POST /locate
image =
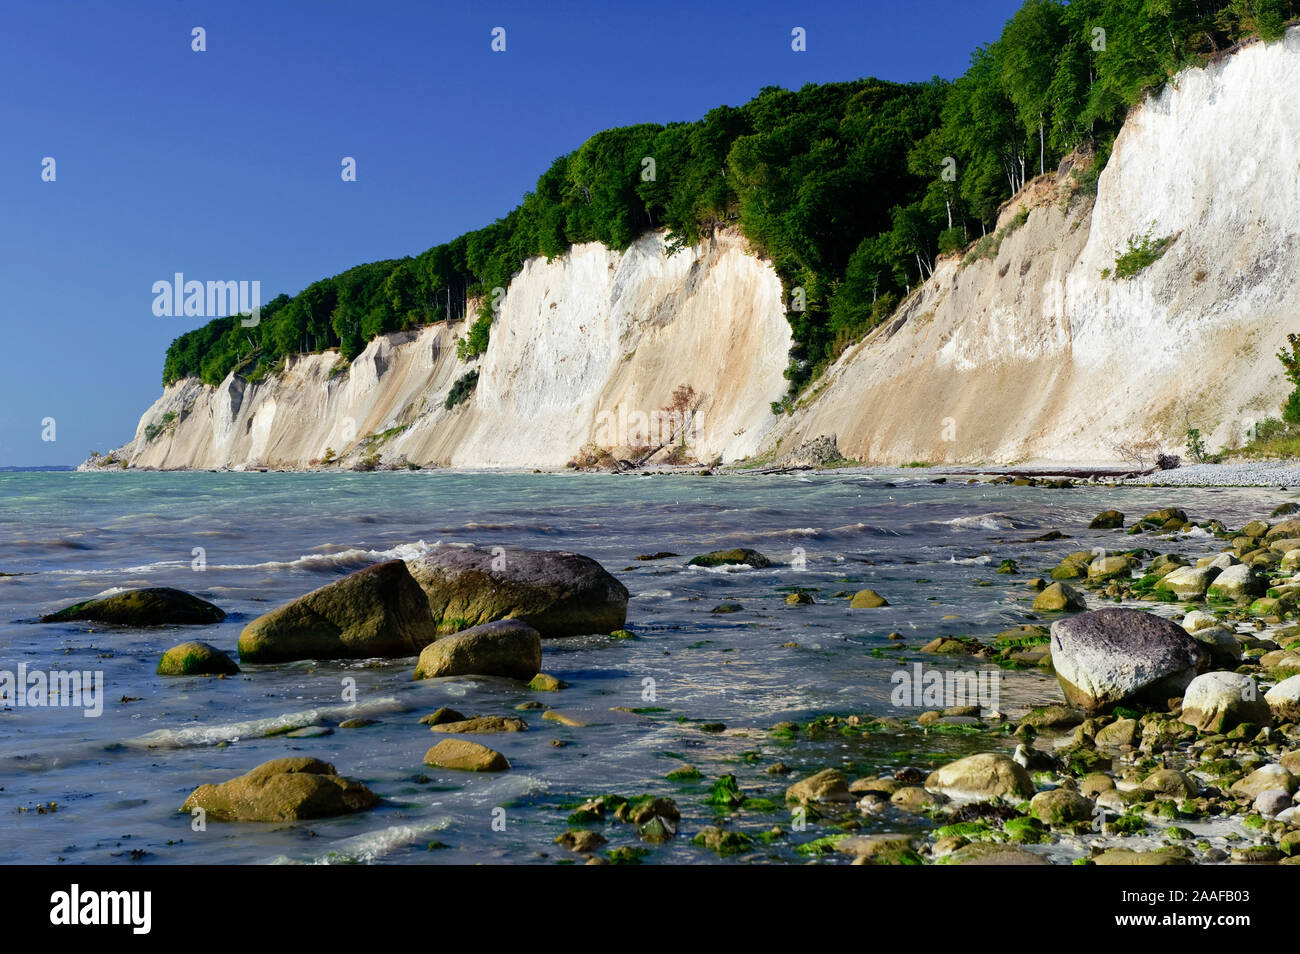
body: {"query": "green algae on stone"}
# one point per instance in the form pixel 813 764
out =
pixel 152 606
pixel 723 841
pixel 867 599
pixel 725 793
pixel 687 773
pixel 737 556
pixel 196 659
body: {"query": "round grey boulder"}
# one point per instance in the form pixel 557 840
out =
pixel 1111 656
pixel 555 592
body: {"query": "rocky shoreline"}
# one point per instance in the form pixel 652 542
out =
pixel 1177 740
pixel 1280 474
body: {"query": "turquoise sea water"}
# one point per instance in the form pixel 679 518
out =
pixel 117 780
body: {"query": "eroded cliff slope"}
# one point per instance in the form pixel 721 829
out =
pixel 1040 353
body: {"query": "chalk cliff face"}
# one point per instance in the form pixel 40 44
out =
pixel 587 348
pixel 1036 353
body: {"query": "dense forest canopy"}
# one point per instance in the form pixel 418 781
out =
pixel 850 189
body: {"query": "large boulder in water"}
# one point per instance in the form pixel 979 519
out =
pixel 282 790
pixel 504 648
pixel 556 593
pixel 154 606
pixel 1111 656
pixel 378 611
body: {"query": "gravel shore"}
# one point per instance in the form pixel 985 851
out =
pixel 1280 474
pixel 1277 474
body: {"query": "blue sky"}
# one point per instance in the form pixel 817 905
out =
pixel 225 164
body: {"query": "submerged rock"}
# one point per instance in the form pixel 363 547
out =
pixel 282 790
pixel 555 592
pixel 1110 656
pixel 1107 520
pixel 988 853
pixel 507 648
pixel 196 659
pixel 152 606
pixel 739 556
pixel 482 725
pixel 378 611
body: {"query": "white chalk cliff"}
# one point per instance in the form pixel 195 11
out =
pixel 580 347
pixel 1029 355
pixel 1033 355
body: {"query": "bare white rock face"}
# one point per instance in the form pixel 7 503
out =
pixel 1033 356
pixel 582 347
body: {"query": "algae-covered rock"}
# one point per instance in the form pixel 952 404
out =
pixel 1060 806
pixel 737 556
pixel 988 853
pixel 1118 734
pixel 1158 856
pixel 482 725
pixel 555 592
pixel 1165 517
pixel 1170 783
pixel 442 715
pixel 1110 568
pixel 1238 583
pixel 1107 520
pixel 196 659
pixel 867 599
pixel 153 606
pixel 1059 598
pixel 1219 701
pixel 378 611
pixel 506 648
pixel 282 790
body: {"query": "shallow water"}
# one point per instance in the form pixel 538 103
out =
pixel 931 550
